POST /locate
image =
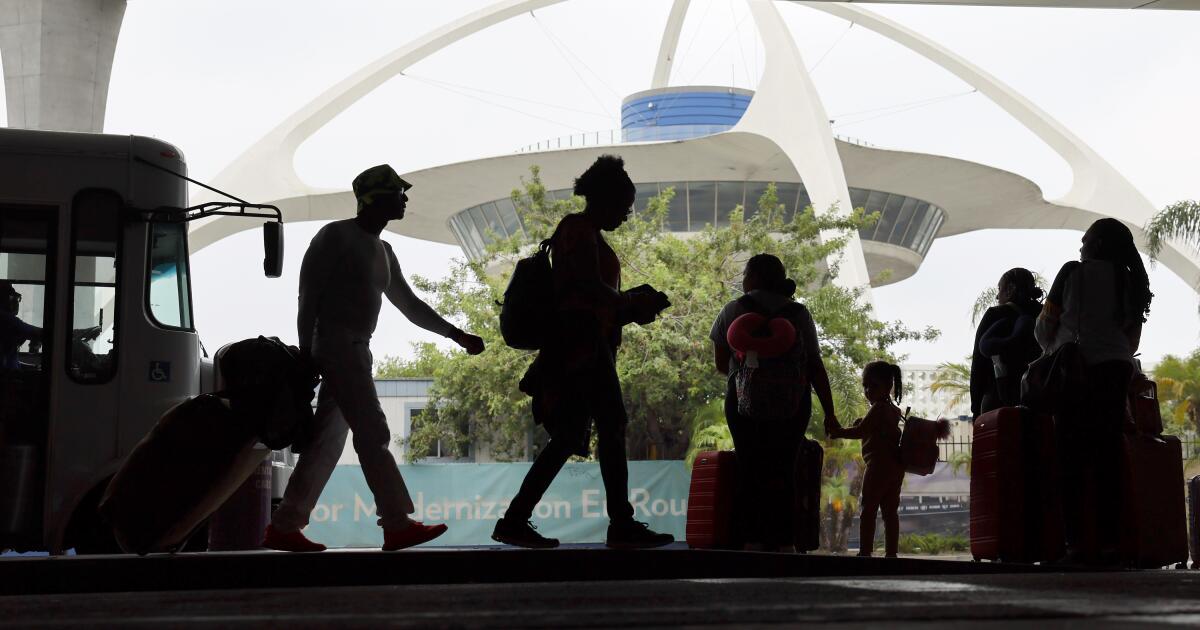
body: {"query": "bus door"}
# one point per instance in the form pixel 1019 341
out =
pixel 28 234
pixel 84 427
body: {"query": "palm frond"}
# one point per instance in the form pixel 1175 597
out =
pixel 1179 221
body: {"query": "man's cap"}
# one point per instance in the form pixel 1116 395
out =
pixel 377 180
pixel 6 288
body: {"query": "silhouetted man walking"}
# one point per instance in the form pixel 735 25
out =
pixel 346 272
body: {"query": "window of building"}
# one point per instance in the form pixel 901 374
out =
pixel 452 442
pixel 167 281
pixel 729 196
pixel 702 204
pixel 95 239
pixel 677 213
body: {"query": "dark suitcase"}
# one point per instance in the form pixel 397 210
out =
pixel 710 501
pixel 1143 405
pixel 807 513
pixel 1154 519
pixel 197 455
pixel 1193 499
pixel 1016 515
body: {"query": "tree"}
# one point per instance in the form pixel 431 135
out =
pixel 954 378
pixel 666 367
pixel 1179 390
pixel 1180 221
pixel 710 432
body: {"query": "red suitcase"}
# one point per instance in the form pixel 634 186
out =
pixel 1016 515
pixel 710 501
pixel 1154 518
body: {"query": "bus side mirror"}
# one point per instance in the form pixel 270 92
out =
pixel 273 249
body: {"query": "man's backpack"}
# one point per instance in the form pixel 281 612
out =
pixel 771 389
pixel 528 301
pixel 270 387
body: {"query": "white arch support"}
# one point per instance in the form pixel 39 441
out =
pixel 670 44
pixel 273 155
pixel 787 109
pixel 1096 187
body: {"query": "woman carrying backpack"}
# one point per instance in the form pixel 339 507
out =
pixel 574 379
pixel 1004 343
pixel 767 432
pixel 1099 303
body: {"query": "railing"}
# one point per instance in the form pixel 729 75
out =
pixel 588 139
pixel 947 450
pixel 608 137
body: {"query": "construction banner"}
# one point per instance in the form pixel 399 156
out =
pixel 469 498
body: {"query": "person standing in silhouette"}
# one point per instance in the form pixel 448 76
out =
pixel 879 431
pixel 769 453
pixel 1004 343
pixel 346 272
pixel 574 379
pixel 1100 302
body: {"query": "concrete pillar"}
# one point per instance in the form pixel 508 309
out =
pixel 58 57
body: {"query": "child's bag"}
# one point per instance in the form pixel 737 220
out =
pixel 918 443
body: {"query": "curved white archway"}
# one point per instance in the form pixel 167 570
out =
pixel 265 171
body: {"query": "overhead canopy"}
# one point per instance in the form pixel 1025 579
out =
pixel 1185 5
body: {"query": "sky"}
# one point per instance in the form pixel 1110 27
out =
pixel 213 76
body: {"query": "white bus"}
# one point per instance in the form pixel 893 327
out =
pixel 93 239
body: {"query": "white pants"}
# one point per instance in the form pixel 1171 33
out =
pixel 347 402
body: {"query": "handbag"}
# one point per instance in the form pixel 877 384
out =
pixel 1051 380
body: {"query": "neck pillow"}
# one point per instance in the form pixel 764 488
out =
pixel 755 334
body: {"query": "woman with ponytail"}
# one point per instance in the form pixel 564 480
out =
pixel 1100 303
pixel 879 431
pixel 1005 343
pixel 777 332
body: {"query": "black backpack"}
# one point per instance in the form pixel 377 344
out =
pixel 270 387
pixel 528 301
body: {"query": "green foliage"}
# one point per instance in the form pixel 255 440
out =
pixel 987 299
pixel 709 432
pixel 666 367
pixel 954 378
pixel 1178 381
pixel 1180 220
pixel 931 544
pixel 960 462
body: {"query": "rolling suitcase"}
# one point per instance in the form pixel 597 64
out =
pixel 1154 519
pixel 197 455
pixel 1016 515
pixel 807 514
pixel 1193 499
pixel 710 501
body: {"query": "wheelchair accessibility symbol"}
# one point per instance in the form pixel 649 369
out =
pixel 160 371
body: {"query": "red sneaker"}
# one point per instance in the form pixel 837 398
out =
pixel 411 536
pixel 292 541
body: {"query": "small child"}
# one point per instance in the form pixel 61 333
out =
pixel 880 433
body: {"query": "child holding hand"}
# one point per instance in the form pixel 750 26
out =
pixel 880 432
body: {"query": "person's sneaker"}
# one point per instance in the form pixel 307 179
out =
pixel 635 535
pixel 521 534
pixel 415 534
pixel 289 541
